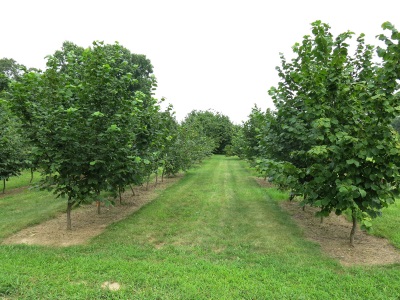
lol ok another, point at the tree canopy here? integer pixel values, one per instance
(81, 115)
(214, 125)
(93, 124)
(330, 138)
(12, 154)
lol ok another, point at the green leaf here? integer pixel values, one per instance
(376, 97)
(353, 161)
(318, 203)
(71, 110)
(363, 193)
(366, 221)
(387, 25)
(114, 127)
(97, 114)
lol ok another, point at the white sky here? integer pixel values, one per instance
(206, 54)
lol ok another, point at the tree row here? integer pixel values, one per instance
(90, 123)
(330, 139)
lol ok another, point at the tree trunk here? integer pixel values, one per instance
(304, 199)
(291, 196)
(69, 208)
(353, 229)
(147, 185)
(31, 175)
(120, 197)
(133, 192)
(98, 207)
(4, 186)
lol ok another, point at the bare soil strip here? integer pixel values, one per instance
(86, 223)
(333, 235)
(13, 191)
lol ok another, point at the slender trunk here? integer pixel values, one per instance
(120, 197)
(31, 175)
(353, 229)
(322, 220)
(147, 185)
(291, 196)
(304, 199)
(133, 192)
(98, 207)
(4, 186)
(69, 208)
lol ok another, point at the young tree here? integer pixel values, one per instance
(82, 113)
(194, 145)
(333, 123)
(11, 71)
(11, 145)
(255, 130)
(169, 154)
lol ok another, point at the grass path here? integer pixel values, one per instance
(215, 235)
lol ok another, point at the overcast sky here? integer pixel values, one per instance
(206, 54)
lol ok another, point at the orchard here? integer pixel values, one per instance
(90, 124)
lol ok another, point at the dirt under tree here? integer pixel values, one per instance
(86, 223)
(333, 236)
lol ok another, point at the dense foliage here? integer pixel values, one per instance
(12, 154)
(93, 123)
(12, 149)
(330, 138)
(213, 125)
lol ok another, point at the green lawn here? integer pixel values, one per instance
(388, 225)
(23, 205)
(214, 235)
(21, 181)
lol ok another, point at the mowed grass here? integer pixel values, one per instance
(214, 235)
(389, 224)
(22, 205)
(22, 180)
